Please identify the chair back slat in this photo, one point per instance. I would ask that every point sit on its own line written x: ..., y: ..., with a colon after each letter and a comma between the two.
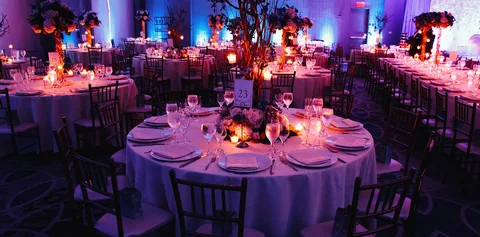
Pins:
x: 154, y: 66
x: 94, y: 56
x: 101, y: 95
x: 6, y: 113
x: 402, y: 120
x: 151, y: 44
x: 464, y: 118
x: 65, y: 146
x: 111, y: 123
x: 282, y: 82
x: 224, y: 216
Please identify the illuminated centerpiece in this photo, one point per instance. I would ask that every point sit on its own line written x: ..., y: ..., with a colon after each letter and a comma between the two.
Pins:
x: 216, y: 22
x: 142, y: 16
x: 89, y: 19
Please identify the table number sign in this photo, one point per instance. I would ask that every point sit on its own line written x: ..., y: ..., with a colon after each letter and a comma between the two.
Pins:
x: 53, y: 58
x: 243, y: 93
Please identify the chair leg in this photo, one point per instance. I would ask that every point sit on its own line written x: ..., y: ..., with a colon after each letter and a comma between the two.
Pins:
x: 37, y: 131
x: 14, y: 145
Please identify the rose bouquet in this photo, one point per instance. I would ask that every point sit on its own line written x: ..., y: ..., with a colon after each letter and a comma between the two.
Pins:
x: 434, y: 19
x: 286, y: 19
x: 52, y: 16
x: 307, y: 23
x: 142, y: 15
x: 217, y: 21
x: 89, y: 19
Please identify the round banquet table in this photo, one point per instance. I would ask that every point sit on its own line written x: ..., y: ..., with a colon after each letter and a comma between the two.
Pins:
x: 81, y: 56
x: 308, y: 84
x: 174, y: 69
x: 141, y: 48
x: 279, y: 205
x: 47, y: 109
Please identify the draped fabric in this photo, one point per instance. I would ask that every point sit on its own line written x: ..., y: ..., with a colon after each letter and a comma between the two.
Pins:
x: 414, y: 8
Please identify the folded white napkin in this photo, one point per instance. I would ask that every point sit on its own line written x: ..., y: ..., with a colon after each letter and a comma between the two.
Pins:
x: 173, y: 151
x: 241, y: 163
x: 117, y: 77
x: 345, y: 123
x: 158, y: 120
x: 350, y: 142
x: 309, y: 157
x: 140, y: 134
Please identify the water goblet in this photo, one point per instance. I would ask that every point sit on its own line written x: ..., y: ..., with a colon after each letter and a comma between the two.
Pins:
x: 287, y: 99
x: 308, y: 106
x: 184, y: 125
x: 327, y: 117
x: 108, y: 71
x: 208, y: 130
x: 220, y: 134
x: 316, y: 128
x: 279, y: 100
x: 220, y: 99
x: 174, y: 122
x: 23, y: 53
x: 31, y: 71
x: 171, y: 108
x: 229, y: 97
x: 192, y: 101
x: 12, y: 73
x: 272, y: 131
x: 317, y: 105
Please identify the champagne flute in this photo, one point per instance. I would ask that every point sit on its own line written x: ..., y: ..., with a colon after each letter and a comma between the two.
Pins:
x: 287, y: 99
x: 207, y: 129
x: 308, y: 106
x: 108, y: 71
x: 327, y: 117
x: 272, y: 131
x: 174, y: 119
x: 279, y: 100
x: 184, y: 125
x: 220, y: 134
x: 229, y: 97
x: 171, y: 108
x: 284, y: 133
x: 306, y: 129
x: 317, y: 105
x: 220, y: 99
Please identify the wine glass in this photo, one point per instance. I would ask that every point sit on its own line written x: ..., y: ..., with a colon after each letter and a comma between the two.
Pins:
x: 279, y: 100
x: 23, y: 53
x: 171, y: 108
x: 299, y: 60
x: 207, y: 129
x: 327, y: 116
x: 184, y: 125
x: 31, y: 71
x: 229, y: 97
x: 12, y: 73
x: 192, y: 101
x: 317, y: 105
x: 284, y: 133
x: 306, y: 129
x: 27, y: 79
x: 220, y: 134
x: 316, y: 128
x: 287, y: 99
x: 272, y: 131
x: 108, y: 71
x: 220, y: 99
x: 174, y: 119
x: 308, y: 106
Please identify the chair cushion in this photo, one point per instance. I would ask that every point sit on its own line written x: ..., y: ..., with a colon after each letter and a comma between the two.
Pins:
x: 394, y: 166
x: 431, y: 122
x: 464, y: 145
x: 449, y: 134
x: 18, y: 128
x: 207, y: 229
x: 325, y: 229
x: 151, y: 219
x: 134, y: 109
x: 87, y: 122
x: 218, y: 89
x: 364, y: 197
x: 147, y: 97
x: 119, y: 157
x: 191, y: 77
x: 92, y: 195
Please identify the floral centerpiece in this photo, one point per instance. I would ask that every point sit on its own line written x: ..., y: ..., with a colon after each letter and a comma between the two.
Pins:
x: 288, y: 20
x: 216, y: 22
x: 248, y: 123
x: 89, y: 19
x: 53, y: 17
x: 142, y: 16
x: 425, y: 21
x: 235, y: 28
x: 379, y: 24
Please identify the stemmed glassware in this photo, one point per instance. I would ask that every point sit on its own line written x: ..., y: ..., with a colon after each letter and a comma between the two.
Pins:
x: 108, y: 71
x: 220, y: 134
x: 184, y: 125
x: 299, y: 60
x: 272, y: 131
x: 279, y: 100
x: 208, y: 130
x: 284, y: 133
x: 174, y: 120
x: 327, y: 117
x: 171, y: 108
x: 23, y: 53
x: 317, y: 105
x: 306, y: 129
x: 308, y: 106
x: 287, y: 99
x: 316, y: 128
x: 229, y: 97
x: 220, y: 99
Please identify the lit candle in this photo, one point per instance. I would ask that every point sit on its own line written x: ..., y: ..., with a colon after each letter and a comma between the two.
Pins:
x: 60, y: 67
x: 10, y: 60
x: 470, y: 73
x: 70, y: 72
x: 427, y: 55
x: 289, y: 62
x: 232, y: 58
x: 298, y: 127
x: 10, y: 46
x: 234, y: 139
x: 267, y: 74
x: 83, y: 73
x: 91, y: 75
x: 64, y: 47
x: 181, y: 37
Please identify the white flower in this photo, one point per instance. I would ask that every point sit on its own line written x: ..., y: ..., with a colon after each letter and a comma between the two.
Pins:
x: 49, y: 26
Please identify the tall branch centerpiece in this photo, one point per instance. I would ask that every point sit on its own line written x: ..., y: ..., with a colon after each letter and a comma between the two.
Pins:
x: 89, y: 19
x: 4, y: 25
x: 216, y: 22
x: 142, y: 16
x: 53, y: 17
x: 378, y: 25
x: 425, y: 21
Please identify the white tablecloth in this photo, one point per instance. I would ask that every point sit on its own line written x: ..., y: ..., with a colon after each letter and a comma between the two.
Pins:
x: 175, y: 69
x: 279, y: 205
x: 451, y: 95
x: 81, y: 56
x: 304, y: 87
x: 141, y: 48
x: 48, y: 109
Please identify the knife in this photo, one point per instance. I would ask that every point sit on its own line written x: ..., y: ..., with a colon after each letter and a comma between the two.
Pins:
x: 285, y: 161
x: 272, y: 167
x: 191, y: 161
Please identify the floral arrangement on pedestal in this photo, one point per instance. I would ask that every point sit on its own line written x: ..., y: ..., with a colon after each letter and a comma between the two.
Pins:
x: 216, y: 22
x: 235, y: 28
x: 425, y: 21
x: 307, y: 24
x: 89, y: 19
x: 142, y: 16
x: 4, y: 26
x: 378, y: 25
x: 288, y: 20
x: 53, y: 17
x: 250, y: 121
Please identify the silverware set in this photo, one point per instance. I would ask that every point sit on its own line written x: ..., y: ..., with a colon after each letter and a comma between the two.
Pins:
x: 284, y: 161
x: 214, y: 158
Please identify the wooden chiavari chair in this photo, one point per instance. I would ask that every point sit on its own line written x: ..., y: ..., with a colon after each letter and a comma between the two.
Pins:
x: 281, y: 82
x: 94, y: 56
x: 195, y: 73
x: 218, y: 197
x: 154, y: 68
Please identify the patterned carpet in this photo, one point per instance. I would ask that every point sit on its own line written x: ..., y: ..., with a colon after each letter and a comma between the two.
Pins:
x: 32, y: 192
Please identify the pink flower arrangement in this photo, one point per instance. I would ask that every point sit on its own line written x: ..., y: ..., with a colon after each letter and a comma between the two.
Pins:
x: 51, y: 16
x: 217, y: 21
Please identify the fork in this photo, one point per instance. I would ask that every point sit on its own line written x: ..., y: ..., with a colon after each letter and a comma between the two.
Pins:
x: 214, y: 158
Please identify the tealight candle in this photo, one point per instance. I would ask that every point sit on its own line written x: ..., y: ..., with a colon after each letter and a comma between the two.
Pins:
x: 289, y: 62
x: 64, y: 47
x: 10, y: 46
x: 298, y: 127
x: 267, y: 74
x: 234, y: 139
x: 232, y: 58
x: 70, y: 72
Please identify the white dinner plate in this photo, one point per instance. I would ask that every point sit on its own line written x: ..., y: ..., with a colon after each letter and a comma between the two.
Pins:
x: 263, y: 162
x: 156, y: 121
x: 330, y: 141
x: 205, y: 111
x: 29, y: 93
x: 338, y: 120
x: 166, y: 135
x: 333, y: 159
x: 193, y: 155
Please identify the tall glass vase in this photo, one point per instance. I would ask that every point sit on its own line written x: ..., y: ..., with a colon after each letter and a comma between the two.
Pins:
x: 423, y: 46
